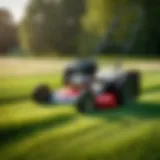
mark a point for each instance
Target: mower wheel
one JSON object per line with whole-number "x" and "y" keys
{"x": 130, "y": 89}
{"x": 42, "y": 94}
{"x": 126, "y": 95}
{"x": 134, "y": 79}
{"x": 86, "y": 103}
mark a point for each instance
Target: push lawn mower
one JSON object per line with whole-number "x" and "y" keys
{"x": 91, "y": 90}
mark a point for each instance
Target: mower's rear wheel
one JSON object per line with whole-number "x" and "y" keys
{"x": 126, "y": 95}
{"x": 42, "y": 94}
{"x": 134, "y": 77}
{"x": 130, "y": 89}
{"x": 86, "y": 103}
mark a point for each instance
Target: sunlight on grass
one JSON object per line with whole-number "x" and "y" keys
{"x": 51, "y": 132}
{"x": 21, "y": 87}
{"x": 151, "y": 97}
{"x": 26, "y": 113}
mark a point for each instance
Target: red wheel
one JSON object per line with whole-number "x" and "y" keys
{"x": 86, "y": 103}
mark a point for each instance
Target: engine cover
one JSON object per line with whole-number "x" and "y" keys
{"x": 86, "y": 68}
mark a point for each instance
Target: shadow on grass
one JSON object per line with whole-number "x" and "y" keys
{"x": 16, "y": 133}
{"x": 139, "y": 110}
{"x": 13, "y": 100}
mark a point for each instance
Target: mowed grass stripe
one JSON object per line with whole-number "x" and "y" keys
{"x": 17, "y": 88}
{"x": 73, "y": 131}
{"x": 124, "y": 145}
{"x": 106, "y": 146}
{"x": 27, "y": 112}
{"x": 70, "y": 129}
{"x": 32, "y": 148}
{"x": 26, "y": 121}
{"x": 85, "y": 151}
{"x": 80, "y": 142}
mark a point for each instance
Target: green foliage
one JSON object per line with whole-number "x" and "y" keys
{"x": 73, "y": 26}
{"x": 98, "y": 19}
{"x": 94, "y": 23}
{"x": 8, "y": 32}
{"x": 52, "y": 26}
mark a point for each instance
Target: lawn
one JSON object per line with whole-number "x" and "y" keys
{"x": 30, "y": 131}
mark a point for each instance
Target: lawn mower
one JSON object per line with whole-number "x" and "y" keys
{"x": 90, "y": 90}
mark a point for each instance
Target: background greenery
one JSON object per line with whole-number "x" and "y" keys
{"x": 69, "y": 27}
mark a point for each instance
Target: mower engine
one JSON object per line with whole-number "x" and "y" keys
{"x": 81, "y": 72}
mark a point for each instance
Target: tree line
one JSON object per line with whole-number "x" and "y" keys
{"x": 8, "y": 32}
{"x": 70, "y": 27}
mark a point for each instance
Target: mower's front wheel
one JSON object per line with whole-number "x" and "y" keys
{"x": 42, "y": 94}
{"x": 86, "y": 103}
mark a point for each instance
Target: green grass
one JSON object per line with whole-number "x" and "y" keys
{"x": 20, "y": 88}
{"x": 30, "y": 131}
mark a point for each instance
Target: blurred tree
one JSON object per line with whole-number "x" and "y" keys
{"x": 8, "y": 32}
{"x": 137, "y": 29}
{"x": 70, "y": 26}
{"x": 99, "y": 19}
{"x": 150, "y": 36}
{"x": 52, "y": 25}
